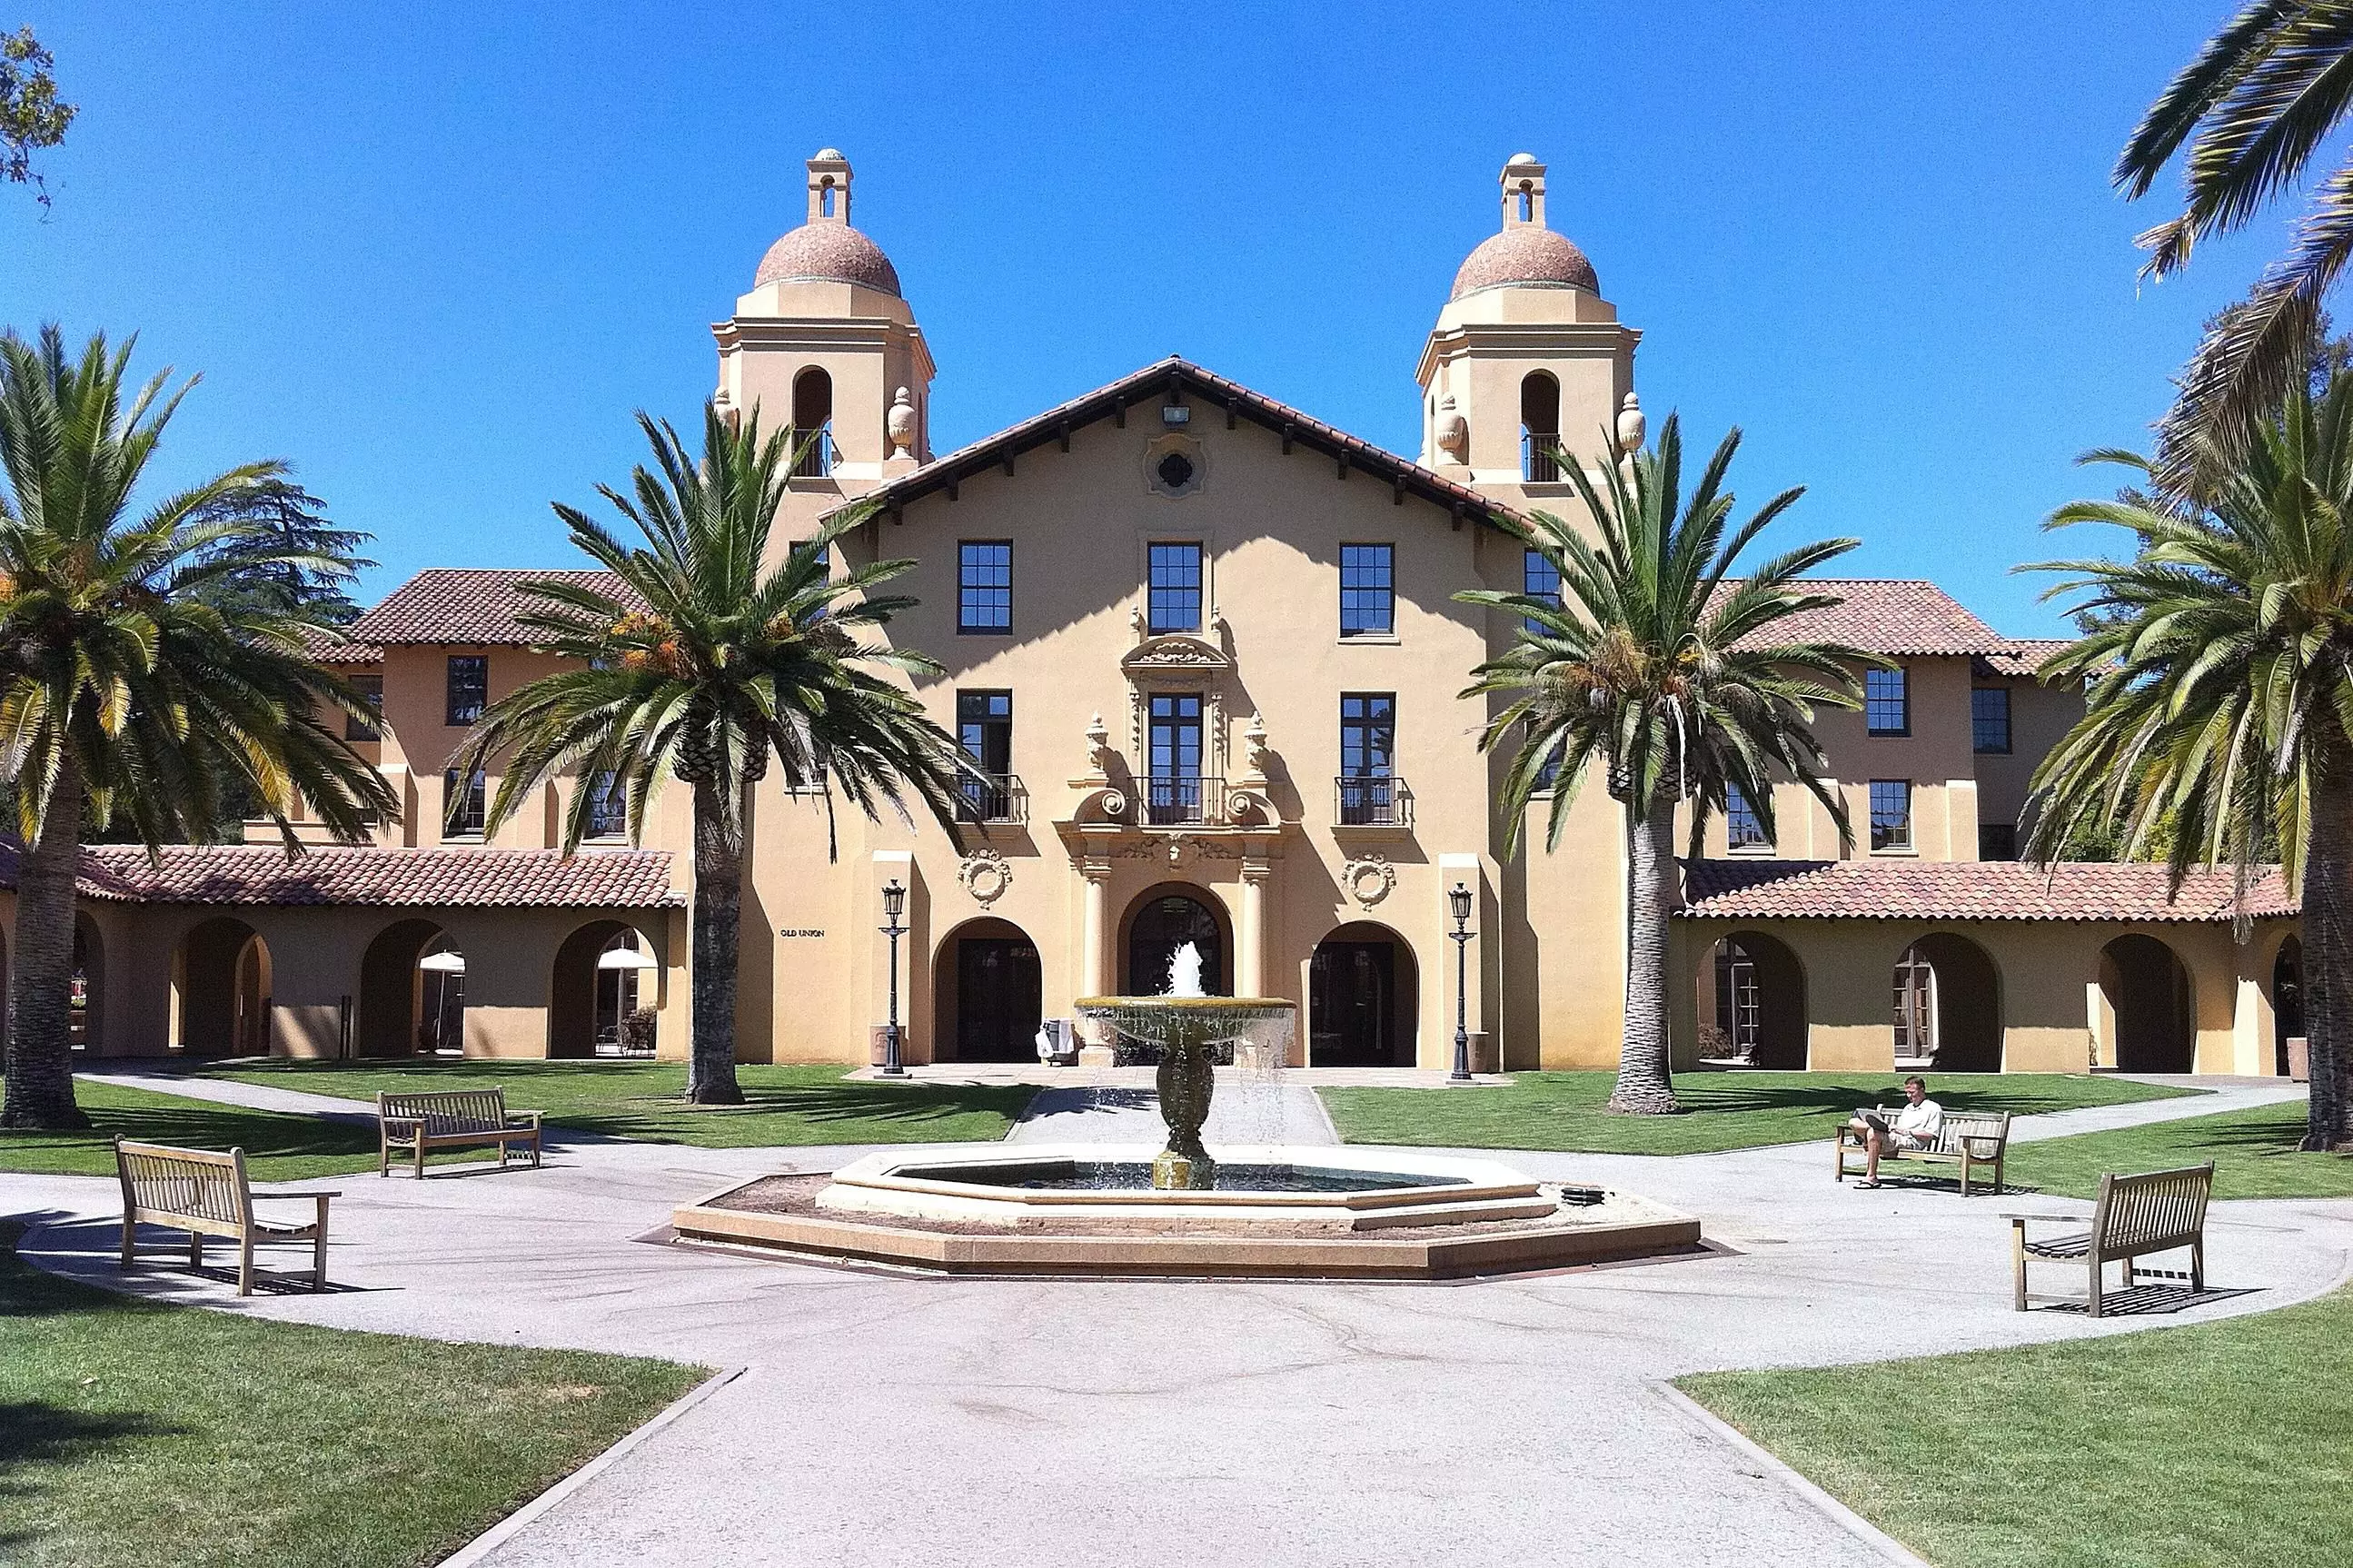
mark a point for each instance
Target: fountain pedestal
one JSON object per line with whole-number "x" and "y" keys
{"x": 1186, "y": 1080}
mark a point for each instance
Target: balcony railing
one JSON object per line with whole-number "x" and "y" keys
{"x": 1183, "y": 800}
{"x": 814, "y": 452}
{"x": 1540, "y": 457}
{"x": 993, "y": 797}
{"x": 1372, "y": 801}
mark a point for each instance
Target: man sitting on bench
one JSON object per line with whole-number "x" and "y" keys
{"x": 1915, "y": 1127}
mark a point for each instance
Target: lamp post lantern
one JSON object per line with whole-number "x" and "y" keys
{"x": 1458, "y": 899}
{"x": 895, "y": 903}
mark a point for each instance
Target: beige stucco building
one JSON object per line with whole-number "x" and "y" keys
{"x": 1206, "y": 651}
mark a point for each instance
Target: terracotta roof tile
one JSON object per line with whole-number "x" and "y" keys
{"x": 264, "y": 874}
{"x": 469, "y": 605}
{"x": 1968, "y": 890}
{"x": 336, "y": 647}
{"x": 1890, "y": 615}
{"x": 2024, "y": 655}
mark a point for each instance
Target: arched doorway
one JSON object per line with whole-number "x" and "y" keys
{"x": 1756, "y": 1001}
{"x": 1364, "y": 999}
{"x": 1165, "y": 919}
{"x": 2147, "y": 989}
{"x": 222, "y": 980}
{"x": 86, "y": 1028}
{"x": 1540, "y": 426}
{"x": 2287, "y": 999}
{"x": 599, "y": 995}
{"x": 406, "y": 1007}
{"x": 812, "y": 424}
{"x": 1948, "y": 1005}
{"x": 989, "y": 993}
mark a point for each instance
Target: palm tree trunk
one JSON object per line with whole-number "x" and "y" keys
{"x": 39, "y": 1081}
{"x": 2328, "y": 951}
{"x": 718, "y": 924}
{"x": 1644, "y": 1085}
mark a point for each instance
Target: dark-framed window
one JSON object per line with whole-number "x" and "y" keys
{"x": 1368, "y": 590}
{"x": 371, "y": 689}
{"x": 1742, "y": 829}
{"x": 1989, "y": 720}
{"x": 1997, "y": 841}
{"x": 608, "y": 806}
{"x": 1891, "y": 814}
{"x": 985, "y": 729}
{"x": 1368, "y": 733}
{"x": 1539, "y": 579}
{"x": 469, "y": 686}
{"x": 1175, "y": 588}
{"x": 985, "y": 585}
{"x": 462, "y": 805}
{"x": 1886, "y": 702}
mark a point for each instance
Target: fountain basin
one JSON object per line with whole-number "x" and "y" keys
{"x": 1385, "y": 1214}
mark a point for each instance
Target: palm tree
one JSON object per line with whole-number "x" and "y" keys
{"x": 135, "y": 691}
{"x": 2265, "y": 95}
{"x": 2219, "y": 696}
{"x": 701, "y": 665}
{"x": 1663, "y": 671}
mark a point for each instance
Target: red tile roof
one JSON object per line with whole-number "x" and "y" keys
{"x": 264, "y": 874}
{"x": 2024, "y": 655}
{"x": 466, "y": 606}
{"x": 1146, "y": 387}
{"x": 337, "y": 648}
{"x": 1889, "y": 616}
{"x": 1969, "y": 890}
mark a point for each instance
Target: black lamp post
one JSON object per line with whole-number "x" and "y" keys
{"x": 1458, "y": 899}
{"x": 895, "y": 903}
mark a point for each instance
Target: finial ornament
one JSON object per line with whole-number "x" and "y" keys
{"x": 1454, "y": 430}
{"x": 1631, "y": 426}
{"x": 1099, "y": 753}
{"x": 1254, "y": 742}
{"x": 901, "y": 425}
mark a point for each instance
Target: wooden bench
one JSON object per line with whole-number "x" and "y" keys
{"x": 1972, "y": 1140}
{"x": 419, "y": 1122}
{"x": 205, "y": 1194}
{"x": 2163, "y": 1211}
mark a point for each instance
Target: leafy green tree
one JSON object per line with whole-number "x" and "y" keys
{"x": 703, "y": 666}
{"x": 127, "y": 695}
{"x": 1664, "y": 673}
{"x": 2218, "y": 727}
{"x": 32, "y": 117}
{"x": 293, "y": 560}
{"x": 2266, "y": 94}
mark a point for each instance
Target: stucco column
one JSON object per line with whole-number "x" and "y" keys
{"x": 1095, "y": 954}
{"x": 1250, "y": 962}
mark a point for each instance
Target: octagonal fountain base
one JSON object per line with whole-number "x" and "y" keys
{"x": 1085, "y": 1210}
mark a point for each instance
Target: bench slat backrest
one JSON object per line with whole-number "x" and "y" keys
{"x": 2147, "y": 1212}
{"x": 1962, "y": 1126}
{"x": 195, "y": 1184}
{"x": 446, "y": 1110}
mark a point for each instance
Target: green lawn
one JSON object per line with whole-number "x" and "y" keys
{"x": 1720, "y": 1110}
{"x": 138, "y": 1435}
{"x": 2254, "y": 1157}
{"x": 2209, "y": 1447}
{"x": 278, "y": 1147}
{"x": 642, "y": 1100}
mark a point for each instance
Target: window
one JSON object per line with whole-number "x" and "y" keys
{"x": 1368, "y": 590}
{"x": 985, "y": 585}
{"x": 1891, "y": 814}
{"x": 1175, "y": 792}
{"x": 608, "y": 807}
{"x": 1175, "y": 588}
{"x": 985, "y": 728}
{"x": 371, "y": 688}
{"x": 1539, "y": 579}
{"x": 461, "y": 806}
{"x": 1540, "y": 428}
{"x": 1997, "y": 841}
{"x": 469, "y": 686}
{"x": 1742, "y": 830}
{"x": 1886, "y": 702}
{"x": 1989, "y": 718}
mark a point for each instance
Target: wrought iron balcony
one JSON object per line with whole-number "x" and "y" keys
{"x": 1540, "y": 457}
{"x": 1361, "y": 802}
{"x": 993, "y": 797}
{"x": 1183, "y": 800}
{"x": 814, "y": 453}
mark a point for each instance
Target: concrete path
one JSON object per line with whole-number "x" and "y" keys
{"x": 897, "y": 1420}
{"x": 231, "y": 1091}
{"x": 2222, "y": 1095}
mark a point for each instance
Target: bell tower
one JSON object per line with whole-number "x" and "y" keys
{"x": 1528, "y": 359}
{"x": 825, "y": 343}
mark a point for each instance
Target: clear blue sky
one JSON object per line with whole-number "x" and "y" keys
{"x": 436, "y": 258}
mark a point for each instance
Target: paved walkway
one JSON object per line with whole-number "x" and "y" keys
{"x": 898, "y": 1420}
{"x": 231, "y": 1091}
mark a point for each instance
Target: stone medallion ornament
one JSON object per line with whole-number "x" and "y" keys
{"x": 1369, "y": 879}
{"x": 985, "y": 875}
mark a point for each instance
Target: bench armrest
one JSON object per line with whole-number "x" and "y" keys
{"x": 389, "y": 1122}
{"x": 2049, "y": 1218}
{"x": 523, "y": 1118}
{"x": 1991, "y": 1145}
{"x": 330, "y": 1193}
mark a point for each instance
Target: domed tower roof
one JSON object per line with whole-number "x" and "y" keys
{"x": 1525, "y": 254}
{"x": 825, "y": 248}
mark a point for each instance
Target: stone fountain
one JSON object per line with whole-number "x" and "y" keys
{"x": 1187, "y": 1026}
